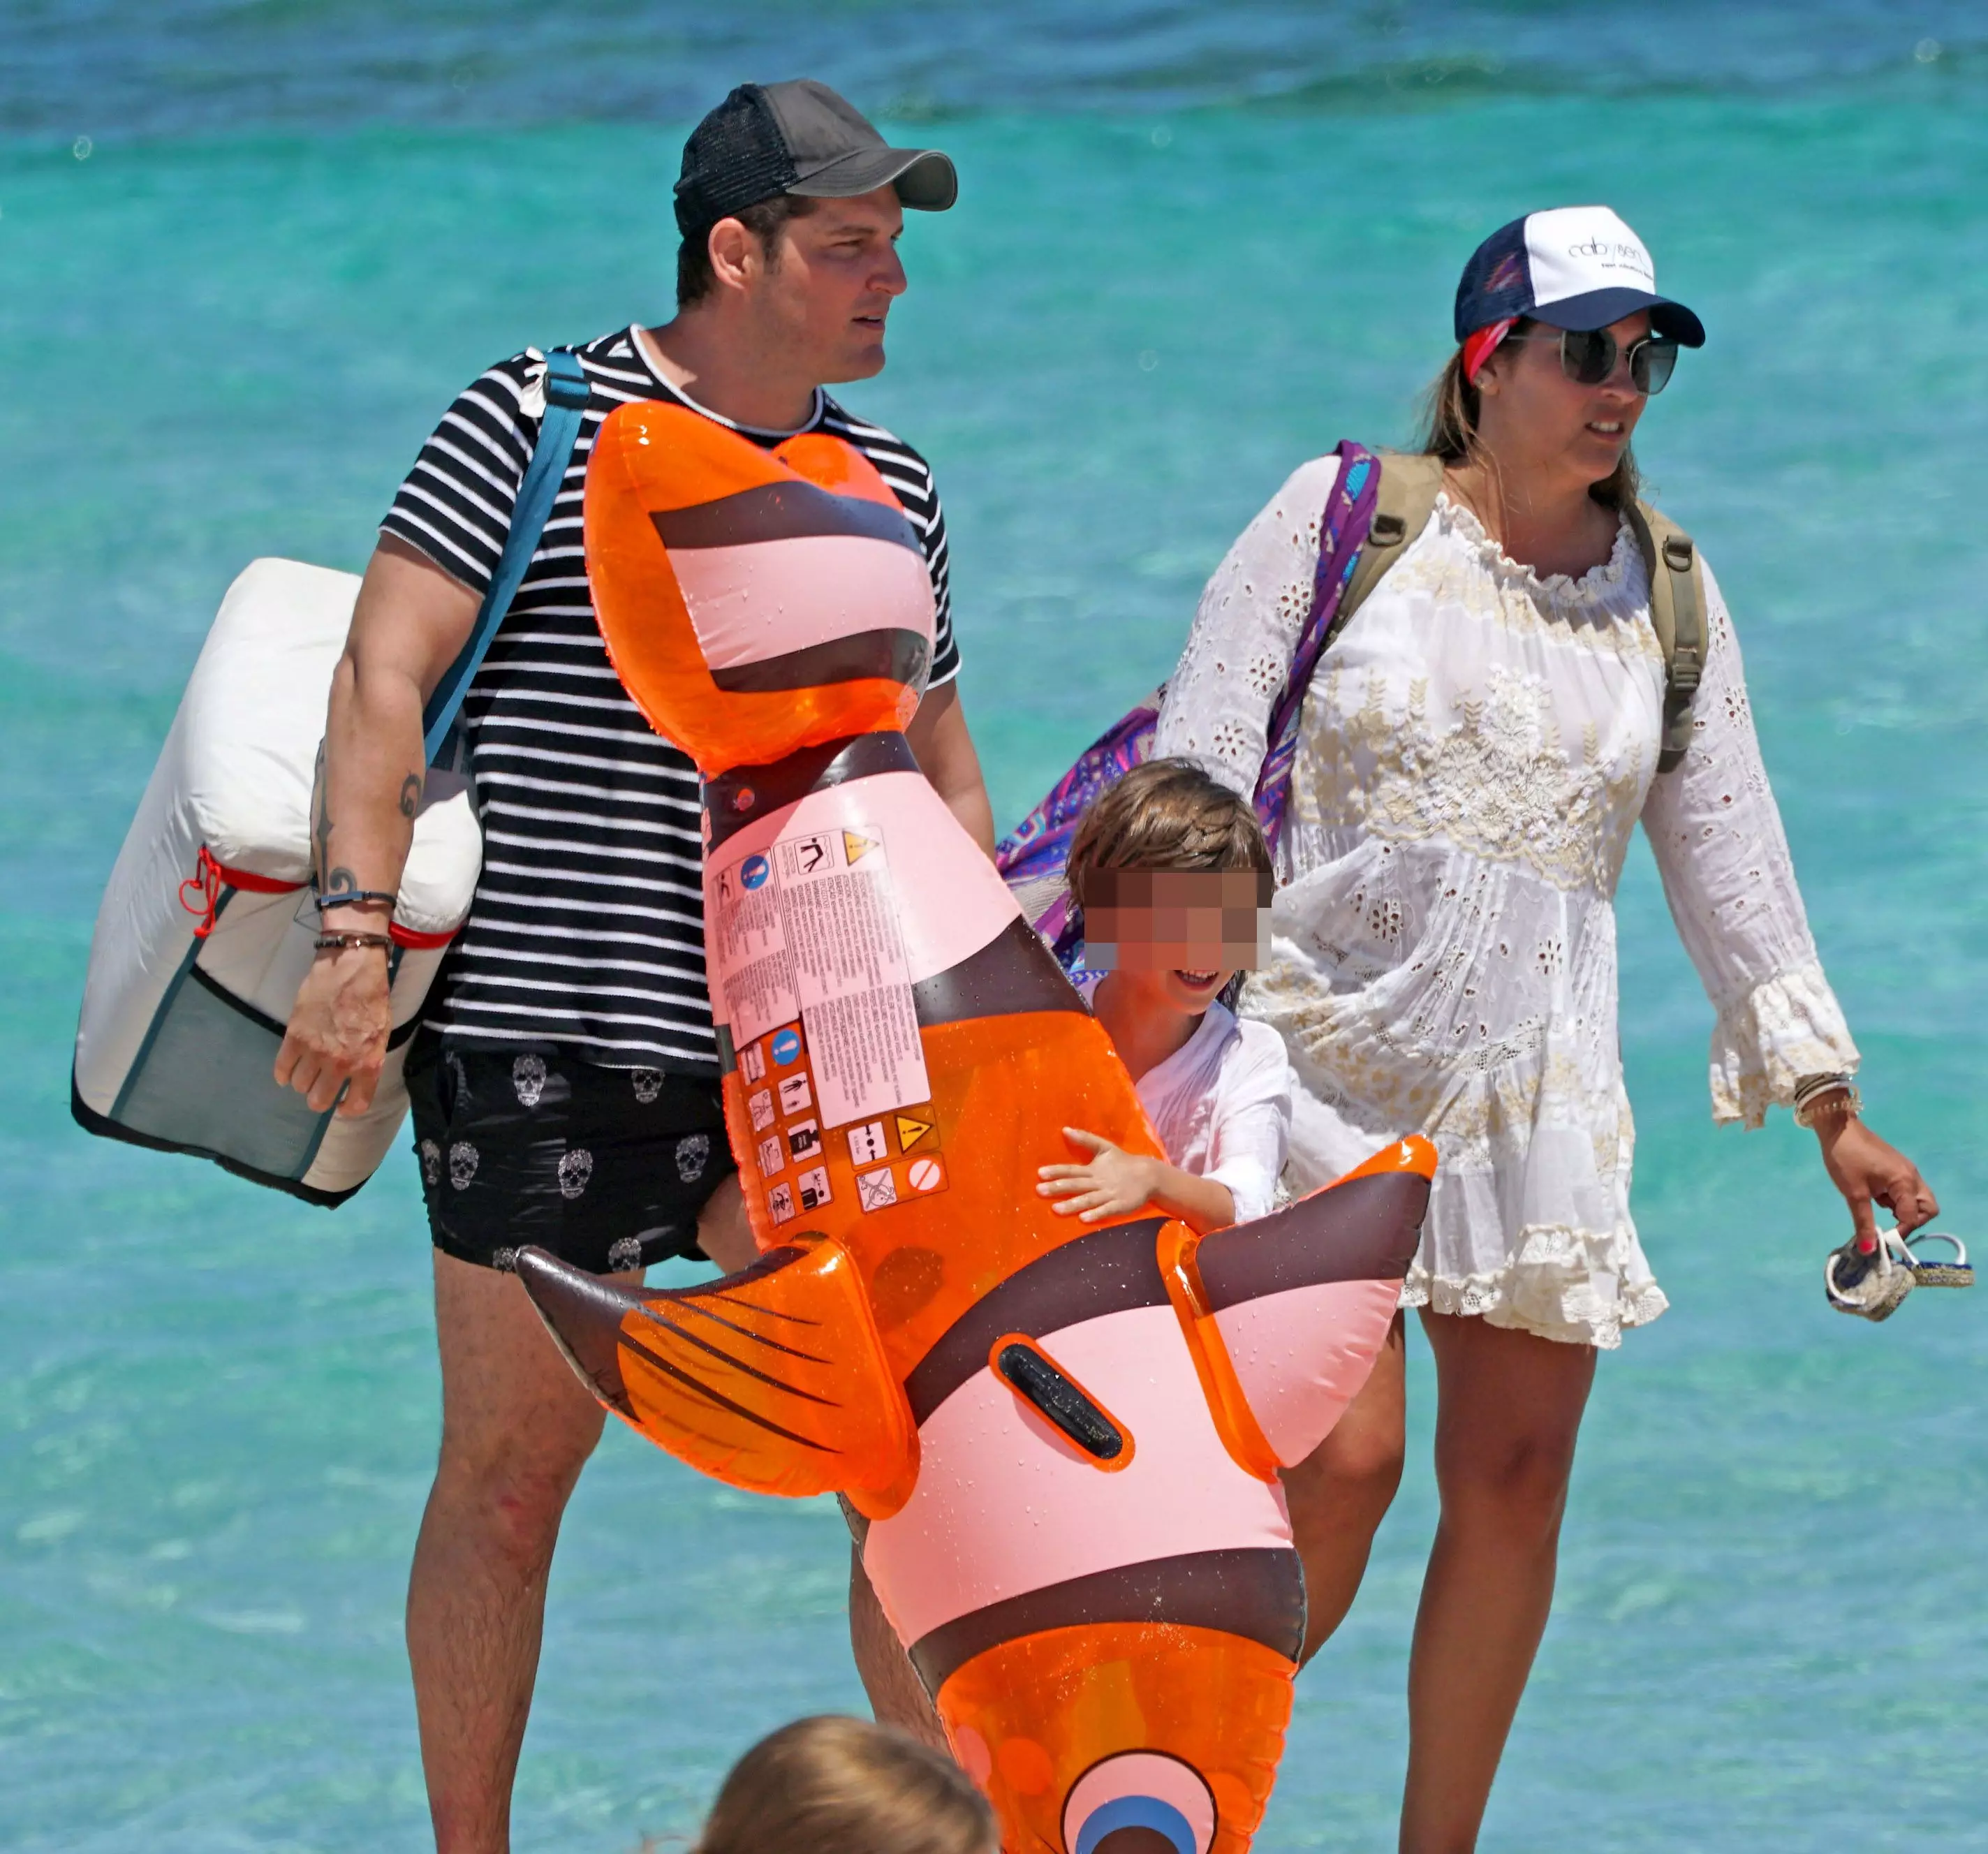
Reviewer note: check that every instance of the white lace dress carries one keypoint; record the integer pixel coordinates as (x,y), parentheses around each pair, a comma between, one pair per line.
(1473,752)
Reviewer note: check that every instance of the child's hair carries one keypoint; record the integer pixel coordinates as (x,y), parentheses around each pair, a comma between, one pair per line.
(832,1785)
(1165,815)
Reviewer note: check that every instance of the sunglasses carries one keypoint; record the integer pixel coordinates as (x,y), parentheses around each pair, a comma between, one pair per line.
(1588,355)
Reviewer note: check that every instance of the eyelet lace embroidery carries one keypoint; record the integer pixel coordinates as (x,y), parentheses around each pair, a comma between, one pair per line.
(1473,754)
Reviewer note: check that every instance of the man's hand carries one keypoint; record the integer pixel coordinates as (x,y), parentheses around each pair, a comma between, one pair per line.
(337,1036)
(1868,1171)
(1111,1182)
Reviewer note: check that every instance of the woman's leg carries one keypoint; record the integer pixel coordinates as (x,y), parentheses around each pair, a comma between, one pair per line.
(1508,1409)
(1341,1491)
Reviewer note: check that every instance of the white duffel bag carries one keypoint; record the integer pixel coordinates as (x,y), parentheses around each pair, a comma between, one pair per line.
(209,924)
(206,930)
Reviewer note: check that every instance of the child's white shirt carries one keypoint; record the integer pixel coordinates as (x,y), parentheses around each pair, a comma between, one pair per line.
(1222,1105)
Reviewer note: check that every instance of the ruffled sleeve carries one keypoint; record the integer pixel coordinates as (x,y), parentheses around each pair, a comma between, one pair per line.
(1217,710)
(1716,831)
(1251,1130)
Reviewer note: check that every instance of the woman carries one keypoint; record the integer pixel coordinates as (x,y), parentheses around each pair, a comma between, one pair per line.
(1474,749)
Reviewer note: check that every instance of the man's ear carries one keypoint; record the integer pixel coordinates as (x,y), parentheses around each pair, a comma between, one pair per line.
(735,256)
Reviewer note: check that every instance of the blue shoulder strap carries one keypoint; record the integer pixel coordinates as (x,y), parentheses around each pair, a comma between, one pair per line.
(565,400)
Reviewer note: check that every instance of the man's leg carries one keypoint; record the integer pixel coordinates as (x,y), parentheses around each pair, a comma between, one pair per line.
(897,1695)
(517,1427)
(1339,1493)
(723,1232)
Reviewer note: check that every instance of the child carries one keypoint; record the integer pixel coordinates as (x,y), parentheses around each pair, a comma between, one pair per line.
(842,1786)
(1174,877)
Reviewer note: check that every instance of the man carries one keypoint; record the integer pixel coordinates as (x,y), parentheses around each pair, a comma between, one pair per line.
(565,1076)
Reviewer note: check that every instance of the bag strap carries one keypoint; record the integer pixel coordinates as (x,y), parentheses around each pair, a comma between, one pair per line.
(1342,531)
(565,400)
(1677,615)
(1410,483)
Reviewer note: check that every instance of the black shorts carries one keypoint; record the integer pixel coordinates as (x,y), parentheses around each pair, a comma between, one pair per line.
(606,1167)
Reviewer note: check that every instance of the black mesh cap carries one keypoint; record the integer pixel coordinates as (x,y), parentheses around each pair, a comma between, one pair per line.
(798,137)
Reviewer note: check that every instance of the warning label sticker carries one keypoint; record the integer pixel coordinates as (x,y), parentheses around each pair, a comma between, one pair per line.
(770,1160)
(875,1190)
(925,1175)
(804,1139)
(813,1188)
(808,930)
(755,979)
(913,1132)
(760,1106)
(780,1201)
(794,1096)
(867,1145)
(839,912)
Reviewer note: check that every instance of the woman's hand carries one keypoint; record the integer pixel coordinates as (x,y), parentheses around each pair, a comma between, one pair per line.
(1111,1182)
(1868,1171)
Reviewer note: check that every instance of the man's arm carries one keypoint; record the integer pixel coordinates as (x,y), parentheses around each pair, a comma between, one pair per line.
(410,623)
(946,756)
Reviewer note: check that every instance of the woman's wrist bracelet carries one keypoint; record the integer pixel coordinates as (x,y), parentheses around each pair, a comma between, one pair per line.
(1836,1095)
(354,898)
(337,942)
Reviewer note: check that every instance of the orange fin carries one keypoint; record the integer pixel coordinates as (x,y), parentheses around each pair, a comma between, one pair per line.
(773,1379)
(1410,1153)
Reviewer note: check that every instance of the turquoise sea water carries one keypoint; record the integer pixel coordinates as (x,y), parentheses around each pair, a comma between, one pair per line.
(247,252)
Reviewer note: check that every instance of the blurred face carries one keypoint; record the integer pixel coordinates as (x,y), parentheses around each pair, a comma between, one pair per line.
(822,301)
(1532,412)
(1181,933)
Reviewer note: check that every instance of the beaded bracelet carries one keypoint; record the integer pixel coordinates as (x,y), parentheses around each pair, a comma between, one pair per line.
(1812,1090)
(332,943)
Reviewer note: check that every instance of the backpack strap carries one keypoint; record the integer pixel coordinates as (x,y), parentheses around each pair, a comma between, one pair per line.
(1409,485)
(1677,615)
(565,400)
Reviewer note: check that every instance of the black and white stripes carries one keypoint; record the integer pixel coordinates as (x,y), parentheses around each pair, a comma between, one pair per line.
(587,929)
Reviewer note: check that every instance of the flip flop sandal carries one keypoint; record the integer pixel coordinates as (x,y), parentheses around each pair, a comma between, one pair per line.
(1958,1273)
(1874,1286)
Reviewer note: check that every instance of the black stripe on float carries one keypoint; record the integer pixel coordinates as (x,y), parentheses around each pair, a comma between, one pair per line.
(1102,1271)
(1257,1592)
(1013,973)
(783,512)
(1366,1229)
(733,799)
(894,656)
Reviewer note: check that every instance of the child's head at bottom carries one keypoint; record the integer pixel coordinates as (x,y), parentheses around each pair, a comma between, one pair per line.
(833,1786)
(1173,874)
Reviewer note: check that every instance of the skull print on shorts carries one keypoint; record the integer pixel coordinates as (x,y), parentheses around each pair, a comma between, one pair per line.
(692,1151)
(574,1170)
(648,1084)
(528,1076)
(462,1158)
(430,1163)
(626,1253)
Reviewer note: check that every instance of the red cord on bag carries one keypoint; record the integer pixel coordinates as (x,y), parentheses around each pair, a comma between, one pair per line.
(201,893)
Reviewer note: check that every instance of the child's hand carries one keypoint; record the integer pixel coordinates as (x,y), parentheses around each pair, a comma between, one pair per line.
(1111,1182)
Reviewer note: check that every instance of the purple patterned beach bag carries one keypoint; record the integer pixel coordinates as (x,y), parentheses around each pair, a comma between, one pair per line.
(1031,859)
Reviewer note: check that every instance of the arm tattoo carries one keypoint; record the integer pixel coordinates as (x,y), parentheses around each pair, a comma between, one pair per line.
(410,794)
(321,825)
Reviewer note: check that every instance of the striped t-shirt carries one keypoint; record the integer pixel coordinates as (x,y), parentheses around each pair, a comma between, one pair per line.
(587,929)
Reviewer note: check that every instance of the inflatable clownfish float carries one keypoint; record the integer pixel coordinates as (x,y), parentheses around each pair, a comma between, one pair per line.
(1062,1442)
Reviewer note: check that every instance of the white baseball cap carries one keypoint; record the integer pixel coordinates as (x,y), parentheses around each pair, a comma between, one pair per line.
(1577,267)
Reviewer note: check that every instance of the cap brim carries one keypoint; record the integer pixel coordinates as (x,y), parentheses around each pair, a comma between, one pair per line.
(1600,307)
(925,179)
